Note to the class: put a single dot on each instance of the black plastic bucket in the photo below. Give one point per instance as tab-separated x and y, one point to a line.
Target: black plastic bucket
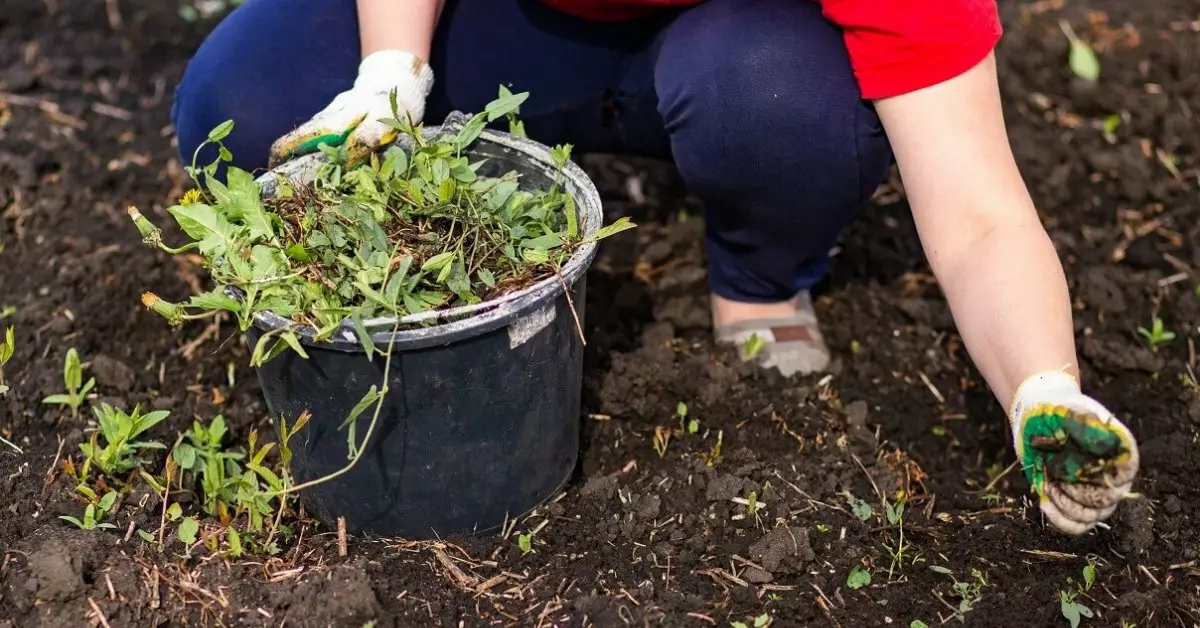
481	420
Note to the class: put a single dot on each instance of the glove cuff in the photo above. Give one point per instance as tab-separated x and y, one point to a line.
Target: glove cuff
1039	388
408	74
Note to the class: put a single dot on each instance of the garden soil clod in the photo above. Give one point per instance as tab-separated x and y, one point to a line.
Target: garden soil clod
794	498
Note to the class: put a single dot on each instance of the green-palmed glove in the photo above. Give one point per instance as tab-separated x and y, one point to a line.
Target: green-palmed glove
1079	459
353	118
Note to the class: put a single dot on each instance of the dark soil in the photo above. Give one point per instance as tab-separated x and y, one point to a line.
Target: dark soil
637	538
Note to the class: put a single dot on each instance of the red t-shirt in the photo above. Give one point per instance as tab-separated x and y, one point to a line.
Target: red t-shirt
895	46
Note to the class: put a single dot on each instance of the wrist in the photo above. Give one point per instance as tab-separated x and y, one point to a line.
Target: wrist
1041	387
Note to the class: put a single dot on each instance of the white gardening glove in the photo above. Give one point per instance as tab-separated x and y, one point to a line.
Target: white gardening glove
353	117
1079	459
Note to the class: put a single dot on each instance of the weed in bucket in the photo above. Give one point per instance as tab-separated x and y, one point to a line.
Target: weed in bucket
459	249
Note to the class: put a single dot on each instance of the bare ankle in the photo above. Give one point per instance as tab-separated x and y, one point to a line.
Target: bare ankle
726	311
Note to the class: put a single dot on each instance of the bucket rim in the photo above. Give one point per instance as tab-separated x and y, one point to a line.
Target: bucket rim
464	321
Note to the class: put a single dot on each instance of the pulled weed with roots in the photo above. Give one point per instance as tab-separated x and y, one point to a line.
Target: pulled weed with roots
414	229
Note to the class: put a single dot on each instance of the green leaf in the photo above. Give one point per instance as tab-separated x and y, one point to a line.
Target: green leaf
940	569
214	300
548	241
486	277
146	536
438	262
507	103
572	214
293	341
188	529
861	509
858	577
221	131
174	511
7	347
235	541
535	256
185	456
367	400
916	623
471	131
299	253
108	500
203	224
72	371
364	336
621	224
1089	575
1081	58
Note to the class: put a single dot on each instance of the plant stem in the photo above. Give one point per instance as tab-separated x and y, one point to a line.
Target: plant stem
383	390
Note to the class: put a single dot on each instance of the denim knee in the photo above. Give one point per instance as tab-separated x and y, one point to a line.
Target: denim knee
269	66
769	129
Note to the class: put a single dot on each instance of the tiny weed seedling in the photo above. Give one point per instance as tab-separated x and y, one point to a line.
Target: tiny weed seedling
1072	610
93	513
714	453
753	346
758	622
1081	58
860	508
858	577
690	426
900	550
118	454
662	437
1156	335
7	346
77	389
968	592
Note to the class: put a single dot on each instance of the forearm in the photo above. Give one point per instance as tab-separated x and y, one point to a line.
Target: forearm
406	25
980	229
1009	300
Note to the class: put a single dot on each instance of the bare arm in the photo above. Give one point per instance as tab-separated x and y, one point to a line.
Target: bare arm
406	25
980	231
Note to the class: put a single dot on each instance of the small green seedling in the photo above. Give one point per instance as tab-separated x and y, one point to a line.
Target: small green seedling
861	509
968	593
691	426
1081	58
93	514
858	577
754	345
1071	609
759	622
525	542
6	352
77	389
1156	335
188	529
120	452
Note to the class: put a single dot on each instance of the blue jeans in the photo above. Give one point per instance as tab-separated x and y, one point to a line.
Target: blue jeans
754	101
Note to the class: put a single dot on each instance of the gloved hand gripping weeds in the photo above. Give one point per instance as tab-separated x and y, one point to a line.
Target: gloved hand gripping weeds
353	118
1079	459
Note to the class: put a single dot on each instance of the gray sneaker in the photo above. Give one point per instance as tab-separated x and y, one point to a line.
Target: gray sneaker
794	344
